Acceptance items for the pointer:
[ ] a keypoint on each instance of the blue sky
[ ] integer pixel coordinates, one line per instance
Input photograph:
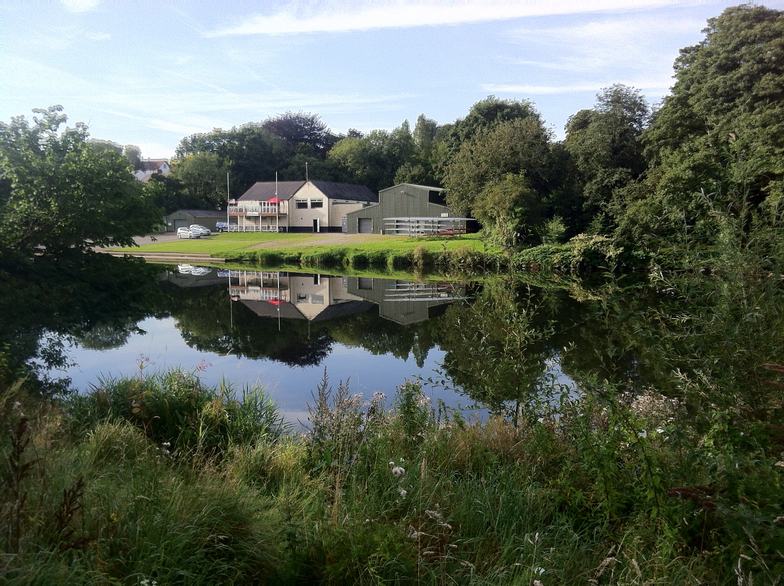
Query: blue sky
(149, 73)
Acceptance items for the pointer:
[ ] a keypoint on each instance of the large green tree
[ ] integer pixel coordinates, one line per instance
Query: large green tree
(203, 177)
(498, 174)
(717, 144)
(251, 152)
(604, 144)
(59, 194)
(374, 159)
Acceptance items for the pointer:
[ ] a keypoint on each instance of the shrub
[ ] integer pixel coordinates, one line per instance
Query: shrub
(176, 409)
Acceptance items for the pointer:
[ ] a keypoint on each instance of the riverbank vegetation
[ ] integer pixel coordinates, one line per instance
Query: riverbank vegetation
(156, 478)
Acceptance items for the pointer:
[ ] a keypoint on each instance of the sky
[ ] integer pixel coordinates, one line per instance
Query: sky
(151, 73)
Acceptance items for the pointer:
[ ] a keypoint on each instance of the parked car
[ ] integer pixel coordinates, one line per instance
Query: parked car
(222, 226)
(188, 233)
(202, 229)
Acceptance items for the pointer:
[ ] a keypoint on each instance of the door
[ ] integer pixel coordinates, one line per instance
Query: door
(316, 225)
(365, 226)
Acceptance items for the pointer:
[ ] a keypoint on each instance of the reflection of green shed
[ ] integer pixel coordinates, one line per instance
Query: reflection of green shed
(184, 218)
(403, 302)
(401, 201)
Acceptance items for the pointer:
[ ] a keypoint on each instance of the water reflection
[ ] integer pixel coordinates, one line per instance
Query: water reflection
(316, 297)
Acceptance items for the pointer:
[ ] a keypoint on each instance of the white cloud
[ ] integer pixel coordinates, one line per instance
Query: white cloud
(98, 36)
(651, 86)
(348, 16)
(80, 5)
(636, 41)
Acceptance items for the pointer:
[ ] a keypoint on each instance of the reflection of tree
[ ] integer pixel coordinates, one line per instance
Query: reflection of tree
(380, 336)
(46, 304)
(309, 353)
(106, 336)
(495, 349)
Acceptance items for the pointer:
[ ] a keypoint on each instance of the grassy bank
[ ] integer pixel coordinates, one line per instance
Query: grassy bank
(316, 250)
(157, 479)
(468, 254)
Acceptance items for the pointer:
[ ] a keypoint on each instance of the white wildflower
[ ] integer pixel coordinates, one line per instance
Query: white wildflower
(398, 471)
(643, 434)
(402, 492)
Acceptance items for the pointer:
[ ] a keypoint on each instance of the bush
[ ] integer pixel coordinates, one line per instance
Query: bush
(174, 409)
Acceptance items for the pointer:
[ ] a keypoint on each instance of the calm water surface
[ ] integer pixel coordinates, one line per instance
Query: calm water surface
(285, 325)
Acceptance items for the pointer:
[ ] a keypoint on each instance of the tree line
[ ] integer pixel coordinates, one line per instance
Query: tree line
(703, 165)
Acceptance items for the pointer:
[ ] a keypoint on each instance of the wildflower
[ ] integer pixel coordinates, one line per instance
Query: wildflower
(435, 515)
(643, 434)
(397, 470)
(402, 492)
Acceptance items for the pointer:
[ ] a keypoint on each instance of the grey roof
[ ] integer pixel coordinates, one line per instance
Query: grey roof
(264, 190)
(428, 187)
(203, 213)
(345, 191)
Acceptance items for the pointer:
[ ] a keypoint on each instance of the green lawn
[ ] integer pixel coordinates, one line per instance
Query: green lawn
(221, 245)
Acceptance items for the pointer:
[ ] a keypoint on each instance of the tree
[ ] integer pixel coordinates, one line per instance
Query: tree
(374, 159)
(58, 194)
(514, 146)
(302, 129)
(420, 168)
(717, 143)
(203, 177)
(252, 153)
(511, 209)
(133, 154)
(606, 147)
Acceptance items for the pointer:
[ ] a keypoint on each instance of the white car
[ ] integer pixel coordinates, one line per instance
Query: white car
(188, 233)
(202, 229)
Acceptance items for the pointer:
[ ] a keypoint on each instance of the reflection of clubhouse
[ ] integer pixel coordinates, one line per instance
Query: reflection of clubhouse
(322, 297)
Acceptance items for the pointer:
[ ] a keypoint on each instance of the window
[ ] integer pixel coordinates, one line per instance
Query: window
(302, 204)
(317, 299)
(316, 203)
(302, 298)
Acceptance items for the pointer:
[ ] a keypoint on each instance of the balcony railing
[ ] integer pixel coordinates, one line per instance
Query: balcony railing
(263, 209)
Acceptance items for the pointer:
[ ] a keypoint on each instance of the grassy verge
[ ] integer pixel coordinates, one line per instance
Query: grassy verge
(159, 480)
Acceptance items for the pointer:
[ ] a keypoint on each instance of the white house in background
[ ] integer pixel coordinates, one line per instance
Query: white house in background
(151, 167)
(297, 206)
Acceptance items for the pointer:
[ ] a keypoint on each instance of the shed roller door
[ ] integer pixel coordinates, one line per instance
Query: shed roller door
(365, 226)
(180, 224)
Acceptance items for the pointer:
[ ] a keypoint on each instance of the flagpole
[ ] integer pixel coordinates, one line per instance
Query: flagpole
(277, 205)
(228, 199)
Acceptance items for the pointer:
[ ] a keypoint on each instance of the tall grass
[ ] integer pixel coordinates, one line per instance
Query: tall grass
(156, 478)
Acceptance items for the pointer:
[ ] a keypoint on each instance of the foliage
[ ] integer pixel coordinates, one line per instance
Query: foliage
(719, 133)
(605, 144)
(302, 129)
(176, 410)
(203, 178)
(516, 146)
(374, 159)
(59, 194)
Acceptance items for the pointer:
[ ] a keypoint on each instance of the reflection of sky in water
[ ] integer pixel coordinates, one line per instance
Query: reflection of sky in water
(290, 387)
